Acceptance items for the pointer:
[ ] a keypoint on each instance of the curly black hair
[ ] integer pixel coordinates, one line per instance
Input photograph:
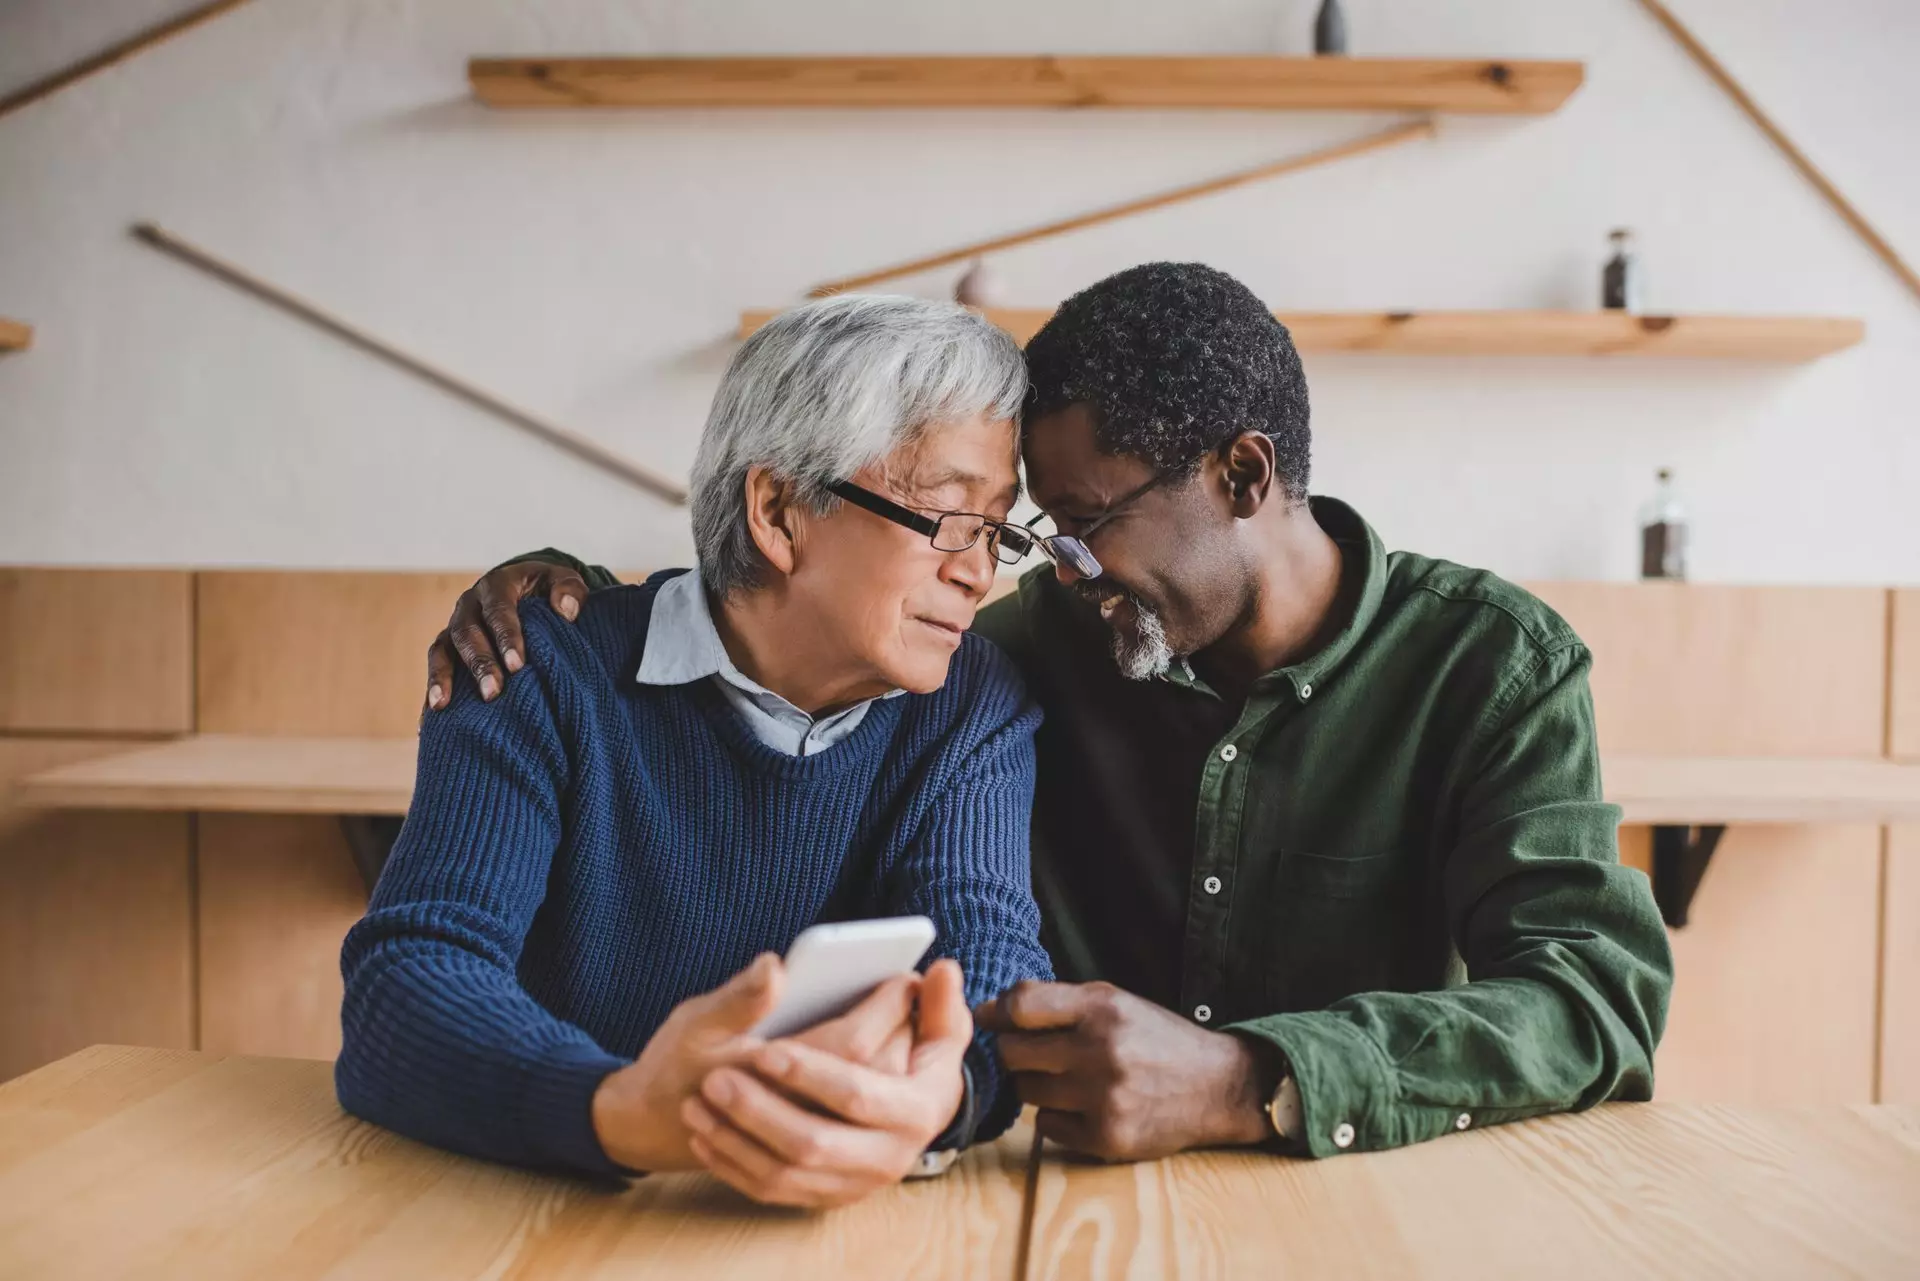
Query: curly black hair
(1174, 359)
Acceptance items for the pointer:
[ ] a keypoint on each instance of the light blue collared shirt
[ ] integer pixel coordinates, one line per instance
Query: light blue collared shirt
(684, 646)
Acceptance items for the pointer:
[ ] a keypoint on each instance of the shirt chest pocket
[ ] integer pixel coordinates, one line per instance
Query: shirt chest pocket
(1344, 925)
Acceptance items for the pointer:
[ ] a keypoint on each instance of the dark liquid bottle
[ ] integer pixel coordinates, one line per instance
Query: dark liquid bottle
(1620, 280)
(1663, 533)
(1330, 29)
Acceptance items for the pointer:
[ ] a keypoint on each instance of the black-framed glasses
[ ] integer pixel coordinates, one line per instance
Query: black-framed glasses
(1072, 550)
(947, 531)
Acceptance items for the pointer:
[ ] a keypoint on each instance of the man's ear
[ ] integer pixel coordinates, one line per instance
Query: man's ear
(772, 518)
(1247, 471)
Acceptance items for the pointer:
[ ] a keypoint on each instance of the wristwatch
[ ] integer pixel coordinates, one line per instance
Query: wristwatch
(1283, 1109)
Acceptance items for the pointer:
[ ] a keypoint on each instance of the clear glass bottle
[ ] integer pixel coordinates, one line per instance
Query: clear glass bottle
(1621, 279)
(1663, 532)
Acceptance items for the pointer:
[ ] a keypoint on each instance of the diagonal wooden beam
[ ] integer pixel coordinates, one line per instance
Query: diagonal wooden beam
(1422, 128)
(554, 434)
(1798, 158)
(115, 53)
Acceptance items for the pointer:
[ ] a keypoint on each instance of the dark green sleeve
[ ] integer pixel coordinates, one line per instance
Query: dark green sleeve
(596, 575)
(1567, 963)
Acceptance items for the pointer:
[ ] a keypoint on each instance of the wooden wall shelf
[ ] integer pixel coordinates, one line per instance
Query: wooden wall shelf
(1524, 333)
(1480, 86)
(15, 336)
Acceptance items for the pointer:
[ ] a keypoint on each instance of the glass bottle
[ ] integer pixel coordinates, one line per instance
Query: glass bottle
(1663, 532)
(1330, 29)
(1620, 282)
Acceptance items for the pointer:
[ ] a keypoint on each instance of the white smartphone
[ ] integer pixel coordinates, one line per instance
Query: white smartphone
(830, 968)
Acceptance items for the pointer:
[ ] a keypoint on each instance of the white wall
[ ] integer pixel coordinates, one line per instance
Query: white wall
(590, 265)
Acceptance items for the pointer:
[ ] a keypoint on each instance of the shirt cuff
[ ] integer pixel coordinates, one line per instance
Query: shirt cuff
(1349, 1091)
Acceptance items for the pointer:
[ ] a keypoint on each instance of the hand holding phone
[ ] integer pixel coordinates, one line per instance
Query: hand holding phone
(830, 968)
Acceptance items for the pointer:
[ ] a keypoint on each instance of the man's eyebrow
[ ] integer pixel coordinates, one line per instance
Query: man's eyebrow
(960, 476)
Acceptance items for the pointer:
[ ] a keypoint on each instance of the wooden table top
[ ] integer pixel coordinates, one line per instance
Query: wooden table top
(159, 1163)
(375, 776)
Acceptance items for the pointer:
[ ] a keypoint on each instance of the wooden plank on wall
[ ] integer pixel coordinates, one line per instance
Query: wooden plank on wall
(95, 929)
(1900, 976)
(94, 651)
(1695, 670)
(308, 653)
(1903, 668)
(1773, 997)
(278, 893)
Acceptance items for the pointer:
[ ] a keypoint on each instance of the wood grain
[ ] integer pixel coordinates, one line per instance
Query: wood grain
(119, 1163)
(1649, 1190)
(1774, 994)
(278, 893)
(305, 653)
(1900, 973)
(244, 773)
(1705, 789)
(14, 335)
(1903, 670)
(93, 651)
(1520, 333)
(1699, 670)
(1315, 84)
(95, 935)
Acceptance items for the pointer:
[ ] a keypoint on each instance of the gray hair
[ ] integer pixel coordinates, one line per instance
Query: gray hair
(826, 389)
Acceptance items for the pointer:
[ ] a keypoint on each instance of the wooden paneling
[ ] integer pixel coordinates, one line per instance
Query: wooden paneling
(122, 1164)
(318, 653)
(96, 651)
(1308, 84)
(1628, 1190)
(1693, 670)
(1903, 704)
(95, 932)
(1773, 996)
(277, 895)
(1520, 333)
(1900, 980)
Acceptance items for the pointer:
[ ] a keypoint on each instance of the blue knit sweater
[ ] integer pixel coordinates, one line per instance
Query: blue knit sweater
(586, 852)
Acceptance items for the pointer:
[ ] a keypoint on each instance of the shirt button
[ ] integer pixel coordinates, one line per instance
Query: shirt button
(1306, 692)
(1228, 752)
(1203, 1012)
(1211, 884)
(1462, 1121)
(1343, 1135)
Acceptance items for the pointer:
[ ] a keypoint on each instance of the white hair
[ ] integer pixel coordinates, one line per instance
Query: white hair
(826, 389)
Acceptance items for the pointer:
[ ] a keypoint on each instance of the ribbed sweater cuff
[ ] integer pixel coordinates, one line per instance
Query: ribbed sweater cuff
(556, 1110)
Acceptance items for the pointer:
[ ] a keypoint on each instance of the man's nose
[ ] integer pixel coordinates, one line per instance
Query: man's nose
(1066, 574)
(972, 569)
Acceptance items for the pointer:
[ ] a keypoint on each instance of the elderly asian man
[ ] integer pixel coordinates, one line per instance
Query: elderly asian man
(574, 934)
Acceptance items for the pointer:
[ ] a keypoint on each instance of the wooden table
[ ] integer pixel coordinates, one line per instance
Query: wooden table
(265, 775)
(121, 1162)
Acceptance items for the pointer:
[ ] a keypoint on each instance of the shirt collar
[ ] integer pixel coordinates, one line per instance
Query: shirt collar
(684, 646)
(1364, 560)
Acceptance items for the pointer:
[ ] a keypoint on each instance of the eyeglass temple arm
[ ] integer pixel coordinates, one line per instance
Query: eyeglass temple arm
(883, 507)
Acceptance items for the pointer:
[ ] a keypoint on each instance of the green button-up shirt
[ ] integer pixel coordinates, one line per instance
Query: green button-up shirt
(1392, 863)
